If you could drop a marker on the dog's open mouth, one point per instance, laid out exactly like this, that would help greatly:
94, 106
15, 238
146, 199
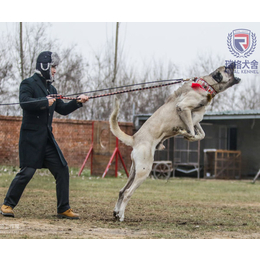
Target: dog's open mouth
237, 80
230, 70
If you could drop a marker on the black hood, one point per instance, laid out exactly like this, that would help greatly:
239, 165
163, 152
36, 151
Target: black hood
44, 63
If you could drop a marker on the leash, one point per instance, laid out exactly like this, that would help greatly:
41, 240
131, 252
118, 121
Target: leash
56, 96
67, 97
119, 92
126, 86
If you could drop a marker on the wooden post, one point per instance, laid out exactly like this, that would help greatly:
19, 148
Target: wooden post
90, 152
116, 47
21, 49
115, 154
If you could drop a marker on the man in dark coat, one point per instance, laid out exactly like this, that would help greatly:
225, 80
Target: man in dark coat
37, 145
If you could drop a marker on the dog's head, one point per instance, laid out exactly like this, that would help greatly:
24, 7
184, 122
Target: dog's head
222, 78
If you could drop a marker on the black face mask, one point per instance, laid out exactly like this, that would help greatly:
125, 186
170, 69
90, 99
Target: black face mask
217, 76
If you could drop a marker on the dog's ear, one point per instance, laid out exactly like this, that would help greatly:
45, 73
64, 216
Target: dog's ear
217, 76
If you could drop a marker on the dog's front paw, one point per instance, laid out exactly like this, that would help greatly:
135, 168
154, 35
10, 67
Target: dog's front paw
119, 216
116, 214
179, 130
192, 138
176, 128
197, 130
161, 147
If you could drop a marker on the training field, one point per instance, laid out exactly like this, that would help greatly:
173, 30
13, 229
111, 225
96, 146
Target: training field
181, 208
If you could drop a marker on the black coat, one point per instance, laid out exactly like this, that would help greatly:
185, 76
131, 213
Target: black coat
37, 120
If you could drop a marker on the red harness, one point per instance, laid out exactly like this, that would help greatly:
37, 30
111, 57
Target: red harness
201, 83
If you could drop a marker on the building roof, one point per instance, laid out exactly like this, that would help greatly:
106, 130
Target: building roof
220, 115
239, 114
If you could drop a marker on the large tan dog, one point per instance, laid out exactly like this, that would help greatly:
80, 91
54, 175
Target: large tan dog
181, 114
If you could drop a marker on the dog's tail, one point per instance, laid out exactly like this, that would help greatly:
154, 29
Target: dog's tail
125, 138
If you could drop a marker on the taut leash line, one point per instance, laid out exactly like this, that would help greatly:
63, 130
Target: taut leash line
57, 96
133, 90
119, 92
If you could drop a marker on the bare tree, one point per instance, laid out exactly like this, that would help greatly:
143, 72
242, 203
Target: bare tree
5, 68
147, 101
248, 97
151, 100
71, 78
35, 40
6, 72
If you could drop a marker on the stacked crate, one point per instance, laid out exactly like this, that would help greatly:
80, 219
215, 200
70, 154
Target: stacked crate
222, 164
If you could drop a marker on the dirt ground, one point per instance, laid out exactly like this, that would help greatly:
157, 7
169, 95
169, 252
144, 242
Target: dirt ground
178, 209
41, 229
21, 228
134, 227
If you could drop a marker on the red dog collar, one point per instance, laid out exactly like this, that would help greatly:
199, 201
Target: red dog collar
201, 83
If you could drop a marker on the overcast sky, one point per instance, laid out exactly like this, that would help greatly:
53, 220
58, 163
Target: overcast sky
179, 42
142, 42
157, 30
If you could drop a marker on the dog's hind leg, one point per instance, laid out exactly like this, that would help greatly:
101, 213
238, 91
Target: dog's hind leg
121, 192
143, 161
130, 191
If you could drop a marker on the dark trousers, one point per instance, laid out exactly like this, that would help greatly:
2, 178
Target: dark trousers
61, 174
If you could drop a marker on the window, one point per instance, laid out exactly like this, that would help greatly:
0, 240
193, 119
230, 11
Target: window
222, 144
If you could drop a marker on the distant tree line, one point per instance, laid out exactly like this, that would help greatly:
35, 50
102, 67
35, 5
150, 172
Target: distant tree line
77, 74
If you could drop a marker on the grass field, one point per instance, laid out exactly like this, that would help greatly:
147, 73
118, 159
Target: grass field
178, 209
